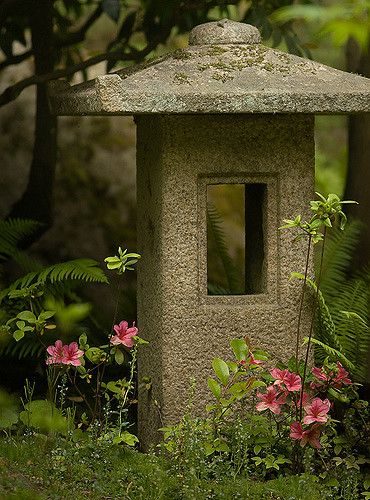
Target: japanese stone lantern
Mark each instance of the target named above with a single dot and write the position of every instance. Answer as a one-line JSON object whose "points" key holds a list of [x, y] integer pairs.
{"points": [[226, 110]]}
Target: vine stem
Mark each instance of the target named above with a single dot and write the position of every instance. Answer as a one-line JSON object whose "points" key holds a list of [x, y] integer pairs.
{"points": [[316, 302], [302, 301]]}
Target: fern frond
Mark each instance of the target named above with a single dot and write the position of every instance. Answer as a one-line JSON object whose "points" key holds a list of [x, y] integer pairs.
{"points": [[338, 255], [12, 231], [86, 270], [214, 224], [28, 347], [343, 328], [333, 354]]}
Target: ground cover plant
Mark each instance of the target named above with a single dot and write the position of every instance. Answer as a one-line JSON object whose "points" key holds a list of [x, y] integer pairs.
{"points": [[279, 430]]}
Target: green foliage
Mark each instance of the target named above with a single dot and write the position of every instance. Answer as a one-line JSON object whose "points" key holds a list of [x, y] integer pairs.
{"points": [[8, 411], [12, 232], [340, 20], [36, 467], [86, 270], [44, 416], [214, 223], [123, 261]]}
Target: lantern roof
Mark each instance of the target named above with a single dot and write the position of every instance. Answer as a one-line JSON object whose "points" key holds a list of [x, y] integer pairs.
{"points": [[225, 69]]}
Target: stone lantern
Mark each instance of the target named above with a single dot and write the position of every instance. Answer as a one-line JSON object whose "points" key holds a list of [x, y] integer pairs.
{"points": [[227, 110]]}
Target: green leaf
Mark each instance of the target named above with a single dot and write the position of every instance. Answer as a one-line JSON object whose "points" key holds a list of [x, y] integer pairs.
{"points": [[221, 370], [126, 438], [45, 315], [119, 356], [44, 415], [18, 335], [240, 349], [94, 354], [214, 387], [27, 316]]}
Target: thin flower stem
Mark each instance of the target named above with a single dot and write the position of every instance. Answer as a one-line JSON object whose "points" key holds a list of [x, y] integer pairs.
{"points": [[302, 302], [316, 302], [80, 393]]}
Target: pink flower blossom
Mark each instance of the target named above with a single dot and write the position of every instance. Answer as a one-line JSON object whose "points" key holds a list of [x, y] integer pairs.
{"points": [[278, 375], [341, 377], [72, 354], [320, 374], [310, 436], [317, 411], [290, 380], [272, 400], [64, 354], [306, 399], [124, 334], [56, 353]]}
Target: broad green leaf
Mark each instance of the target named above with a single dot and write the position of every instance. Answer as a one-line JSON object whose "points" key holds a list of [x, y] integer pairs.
{"points": [[18, 335], [240, 349], [27, 316], [214, 387], [94, 354], [46, 315], [221, 370], [44, 415], [119, 356], [126, 438]]}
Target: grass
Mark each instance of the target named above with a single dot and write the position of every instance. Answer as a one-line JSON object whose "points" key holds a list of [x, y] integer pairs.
{"points": [[39, 467]]}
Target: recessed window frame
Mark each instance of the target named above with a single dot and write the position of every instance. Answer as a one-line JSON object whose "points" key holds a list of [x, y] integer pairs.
{"points": [[271, 248]]}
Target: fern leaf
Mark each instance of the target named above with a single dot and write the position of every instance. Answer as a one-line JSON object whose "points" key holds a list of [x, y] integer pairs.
{"points": [[86, 270], [231, 273], [333, 354], [12, 231], [339, 249]]}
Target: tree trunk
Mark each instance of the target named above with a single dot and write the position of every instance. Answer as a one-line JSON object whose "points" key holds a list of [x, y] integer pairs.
{"points": [[358, 178], [37, 201]]}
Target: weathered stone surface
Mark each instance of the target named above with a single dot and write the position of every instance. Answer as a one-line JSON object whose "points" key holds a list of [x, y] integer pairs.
{"points": [[224, 32], [227, 77], [177, 157]]}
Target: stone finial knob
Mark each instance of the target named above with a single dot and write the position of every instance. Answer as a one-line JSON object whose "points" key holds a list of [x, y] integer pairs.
{"points": [[224, 32]]}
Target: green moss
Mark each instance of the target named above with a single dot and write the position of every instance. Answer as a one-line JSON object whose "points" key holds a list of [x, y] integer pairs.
{"points": [[223, 77], [215, 50], [181, 78], [182, 54]]}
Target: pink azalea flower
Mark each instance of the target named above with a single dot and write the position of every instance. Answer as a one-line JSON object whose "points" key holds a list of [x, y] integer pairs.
{"points": [[278, 375], [72, 354], [310, 436], [56, 353], [306, 399], [320, 374], [317, 411], [64, 354], [272, 400], [124, 334], [341, 377], [292, 381], [296, 430]]}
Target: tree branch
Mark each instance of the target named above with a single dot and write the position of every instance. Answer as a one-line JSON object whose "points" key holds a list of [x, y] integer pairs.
{"points": [[12, 92], [15, 59], [78, 36], [71, 38]]}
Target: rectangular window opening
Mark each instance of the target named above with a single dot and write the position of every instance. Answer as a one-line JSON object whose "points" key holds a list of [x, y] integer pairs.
{"points": [[235, 239]]}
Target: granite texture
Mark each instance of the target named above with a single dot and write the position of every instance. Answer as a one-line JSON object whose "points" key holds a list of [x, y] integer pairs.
{"points": [[176, 158], [226, 70]]}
